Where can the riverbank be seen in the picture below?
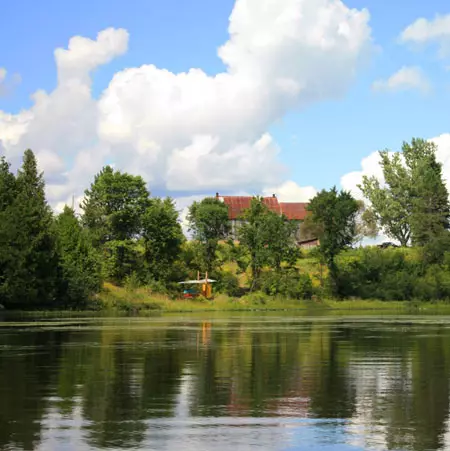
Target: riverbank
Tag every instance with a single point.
(140, 300)
(119, 301)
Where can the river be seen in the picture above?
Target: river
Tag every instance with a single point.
(226, 382)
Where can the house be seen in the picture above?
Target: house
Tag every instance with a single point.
(294, 211)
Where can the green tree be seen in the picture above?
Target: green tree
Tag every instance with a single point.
(7, 185)
(413, 203)
(281, 244)
(162, 236)
(209, 223)
(30, 276)
(114, 205)
(8, 192)
(253, 236)
(80, 275)
(431, 209)
(366, 223)
(334, 213)
(391, 204)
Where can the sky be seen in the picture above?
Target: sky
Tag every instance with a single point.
(200, 96)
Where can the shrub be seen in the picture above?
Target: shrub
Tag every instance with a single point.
(378, 273)
(256, 298)
(288, 283)
(132, 282)
(228, 283)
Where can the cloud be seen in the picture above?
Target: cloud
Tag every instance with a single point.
(290, 191)
(6, 86)
(424, 31)
(370, 166)
(191, 131)
(407, 78)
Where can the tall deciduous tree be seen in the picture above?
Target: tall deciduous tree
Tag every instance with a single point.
(366, 223)
(80, 275)
(114, 205)
(334, 213)
(392, 204)
(209, 223)
(253, 236)
(431, 209)
(281, 244)
(163, 237)
(30, 278)
(113, 210)
(412, 205)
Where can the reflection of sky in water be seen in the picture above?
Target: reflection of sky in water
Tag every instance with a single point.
(183, 386)
(68, 432)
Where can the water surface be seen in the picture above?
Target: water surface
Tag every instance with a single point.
(234, 382)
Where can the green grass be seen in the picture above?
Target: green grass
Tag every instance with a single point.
(117, 299)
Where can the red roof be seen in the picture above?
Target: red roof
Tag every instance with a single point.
(237, 205)
(294, 210)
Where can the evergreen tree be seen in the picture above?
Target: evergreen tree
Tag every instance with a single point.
(8, 192)
(163, 237)
(30, 276)
(80, 276)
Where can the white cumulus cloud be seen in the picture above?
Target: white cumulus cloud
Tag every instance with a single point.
(406, 78)
(424, 31)
(191, 131)
(290, 191)
(6, 86)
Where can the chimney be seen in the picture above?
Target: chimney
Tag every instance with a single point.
(274, 195)
(217, 195)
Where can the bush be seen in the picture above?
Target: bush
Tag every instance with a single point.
(132, 282)
(384, 274)
(433, 285)
(305, 288)
(228, 283)
(288, 283)
(121, 259)
(256, 298)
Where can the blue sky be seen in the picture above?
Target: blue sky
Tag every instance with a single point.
(319, 142)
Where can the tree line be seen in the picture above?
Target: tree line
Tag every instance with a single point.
(127, 237)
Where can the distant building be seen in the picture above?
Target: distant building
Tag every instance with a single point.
(294, 211)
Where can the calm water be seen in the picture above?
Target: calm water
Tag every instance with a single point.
(232, 382)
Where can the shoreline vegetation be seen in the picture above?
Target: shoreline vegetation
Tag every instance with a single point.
(125, 250)
(118, 299)
(121, 301)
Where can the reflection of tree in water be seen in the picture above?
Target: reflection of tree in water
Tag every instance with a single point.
(333, 394)
(409, 395)
(125, 378)
(130, 381)
(419, 416)
(26, 377)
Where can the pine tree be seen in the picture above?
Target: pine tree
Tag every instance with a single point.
(30, 278)
(8, 191)
(78, 263)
